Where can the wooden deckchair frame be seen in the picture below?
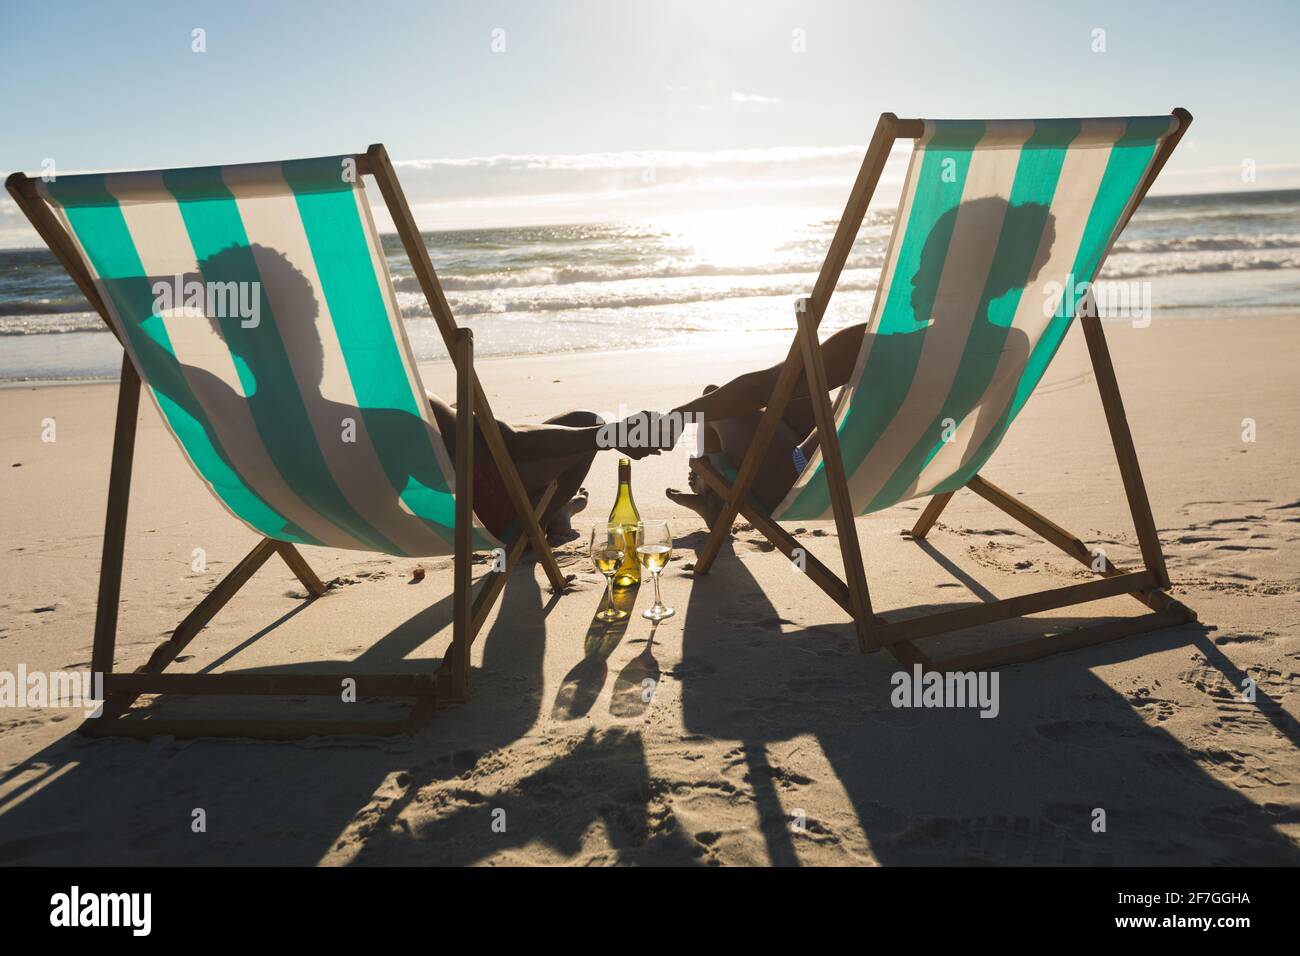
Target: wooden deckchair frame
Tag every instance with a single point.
(874, 631)
(449, 683)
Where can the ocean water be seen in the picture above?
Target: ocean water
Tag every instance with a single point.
(704, 279)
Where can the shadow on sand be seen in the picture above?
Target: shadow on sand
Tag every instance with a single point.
(937, 786)
(114, 800)
(945, 786)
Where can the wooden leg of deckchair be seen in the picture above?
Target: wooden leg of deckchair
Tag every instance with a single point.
(127, 692)
(836, 481)
(1031, 519)
(846, 232)
(494, 581)
(1120, 436)
(119, 496)
(1053, 533)
(301, 569)
(207, 609)
(733, 502)
(1071, 544)
(930, 515)
(462, 610)
(528, 521)
(974, 615)
(188, 629)
(1108, 386)
(124, 689)
(787, 544)
(817, 572)
(378, 164)
(1167, 610)
(150, 679)
(489, 589)
(1039, 647)
(423, 687)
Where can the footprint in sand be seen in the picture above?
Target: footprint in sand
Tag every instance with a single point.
(1057, 837)
(1235, 545)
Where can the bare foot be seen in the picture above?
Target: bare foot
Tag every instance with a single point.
(577, 503)
(561, 528)
(706, 504)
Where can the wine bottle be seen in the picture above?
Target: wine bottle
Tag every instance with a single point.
(624, 513)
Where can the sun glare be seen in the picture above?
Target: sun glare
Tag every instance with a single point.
(750, 238)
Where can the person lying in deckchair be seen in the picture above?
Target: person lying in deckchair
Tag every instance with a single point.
(1002, 228)
(560, 449)
(732, 411)
(256, 311)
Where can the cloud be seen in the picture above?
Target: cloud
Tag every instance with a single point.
(523, 189)
(526, 189)
(1226, 179)
(535, 189)
(639, 159)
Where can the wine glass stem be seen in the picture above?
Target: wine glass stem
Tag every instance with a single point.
(609, 589)
(659, 602)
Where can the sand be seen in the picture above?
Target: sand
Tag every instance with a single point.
(768, 738)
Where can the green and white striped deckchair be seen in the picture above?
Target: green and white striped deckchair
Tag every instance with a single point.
(255, 304)
(999, 224)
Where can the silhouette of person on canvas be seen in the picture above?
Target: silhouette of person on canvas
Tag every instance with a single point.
(942, 300)
(286, 402)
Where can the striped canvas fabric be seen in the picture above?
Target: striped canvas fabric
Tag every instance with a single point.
(997, 225)
(256, 305)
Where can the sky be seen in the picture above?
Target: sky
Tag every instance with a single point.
(549, 111)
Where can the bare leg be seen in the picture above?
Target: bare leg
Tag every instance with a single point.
(560, 449)
(733, 437)
(732, 412)
(570, 497)
(751, 391)
(567, 471)
(554, 438)
(776, 473)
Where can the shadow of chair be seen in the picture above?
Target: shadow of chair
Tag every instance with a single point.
(945, 786)
(284, 803)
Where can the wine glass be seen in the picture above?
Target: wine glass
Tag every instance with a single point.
(654, 548)
(607, 549)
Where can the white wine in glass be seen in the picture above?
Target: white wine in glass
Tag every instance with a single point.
(653, 549)
(607, 548)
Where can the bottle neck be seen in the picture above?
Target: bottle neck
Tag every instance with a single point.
(623, 499)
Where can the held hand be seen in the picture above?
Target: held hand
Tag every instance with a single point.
(636, 453)
(633, 437)
(650, 432)
(641, 435)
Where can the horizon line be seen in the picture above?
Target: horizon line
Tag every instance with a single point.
(627, 220)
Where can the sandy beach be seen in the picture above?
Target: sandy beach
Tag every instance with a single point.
(767, 738)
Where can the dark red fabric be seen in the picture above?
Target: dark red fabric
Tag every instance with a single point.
(491, 501)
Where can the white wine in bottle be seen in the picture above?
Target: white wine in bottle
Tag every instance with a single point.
(625, 514)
